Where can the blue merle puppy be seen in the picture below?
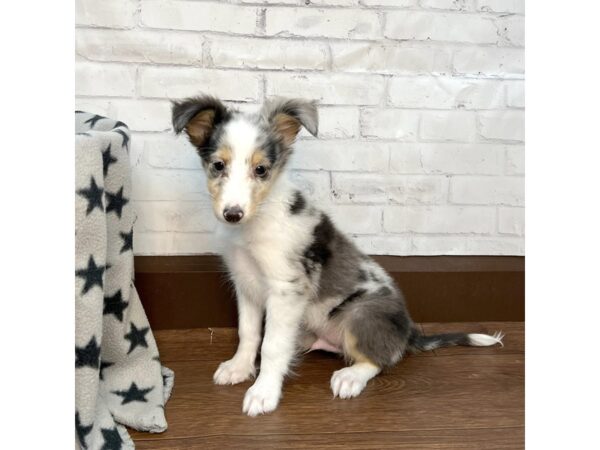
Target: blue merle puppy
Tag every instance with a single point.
(288, 261)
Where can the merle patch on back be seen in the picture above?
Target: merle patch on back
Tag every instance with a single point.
(319, 252)
(298, 203)
(355, 295)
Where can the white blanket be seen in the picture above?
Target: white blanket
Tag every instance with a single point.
(119, 379)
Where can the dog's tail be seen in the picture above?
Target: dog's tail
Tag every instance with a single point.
(420, 342)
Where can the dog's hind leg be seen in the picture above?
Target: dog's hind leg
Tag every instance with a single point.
(350, 381)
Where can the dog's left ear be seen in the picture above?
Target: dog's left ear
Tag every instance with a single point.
(198, 116)
(286, 116)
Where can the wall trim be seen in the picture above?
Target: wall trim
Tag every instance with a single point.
(193, 291)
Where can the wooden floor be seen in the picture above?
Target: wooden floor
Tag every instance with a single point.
(458, 398)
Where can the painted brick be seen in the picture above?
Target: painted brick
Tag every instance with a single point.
(427, 133)
(106, 13)
(168, 184)
(445, 92)
(515, 94)
(337, 123)
(166, 151)
(275, 2)
(448, 125)
(506, 125)
(439, 219)
(341, 155)
(490, 61)
(388, 188)
(434, 26)
(512, 30)
(383, 245)
(315, 185)
(104, 79)
(357, 219)
(268, 54)
(390, 123)
(331, 2)
(395, 3)
(334, 89)
(511, 221)
(471, 245)
(329, 23)
(180, 82)
(369, 57)
(199, 16)
(184, 217)
(139, 46)
(502, 6)
(442, 158)
(173, 243)
(488, 190)
(453, 5)
(515, 160)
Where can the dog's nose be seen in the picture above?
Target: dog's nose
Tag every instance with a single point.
(233, 214)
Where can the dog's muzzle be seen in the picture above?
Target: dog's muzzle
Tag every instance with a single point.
(233, 214)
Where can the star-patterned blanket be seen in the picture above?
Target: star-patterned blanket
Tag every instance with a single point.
(119, 379)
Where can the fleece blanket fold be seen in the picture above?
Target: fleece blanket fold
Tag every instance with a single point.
(119, 379)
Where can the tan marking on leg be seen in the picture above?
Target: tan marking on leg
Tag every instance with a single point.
(351, 350)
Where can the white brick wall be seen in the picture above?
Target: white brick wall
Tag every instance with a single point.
(421, 146)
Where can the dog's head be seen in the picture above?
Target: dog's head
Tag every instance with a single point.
(242, 154)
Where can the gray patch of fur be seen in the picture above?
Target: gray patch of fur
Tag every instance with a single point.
(381, 325)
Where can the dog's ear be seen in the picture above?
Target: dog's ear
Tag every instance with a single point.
(286, 116)
(198, 116)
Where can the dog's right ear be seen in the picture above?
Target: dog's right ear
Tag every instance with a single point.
(198, 116)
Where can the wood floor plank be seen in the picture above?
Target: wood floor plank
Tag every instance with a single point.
(202, 344)
(464, 399)
(465, 439)
(456, 392)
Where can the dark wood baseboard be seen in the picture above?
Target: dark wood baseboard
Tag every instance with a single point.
(194, 292)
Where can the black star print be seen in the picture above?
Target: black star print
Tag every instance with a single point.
(115, 305)
(88, 356)
(82, 430)
(92, 275)
(104, 365)
(133, 394)
(107, 160)
(92, 120)
(127, 241)
(137, 337)
(93, 194)
(112, 439)
(125, 138)
(116, 202)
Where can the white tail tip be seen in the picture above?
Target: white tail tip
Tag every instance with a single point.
(485, 340)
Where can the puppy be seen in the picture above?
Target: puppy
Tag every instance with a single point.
(288, 260)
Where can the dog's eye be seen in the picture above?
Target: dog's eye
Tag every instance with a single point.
(260, 171)
(218, 166)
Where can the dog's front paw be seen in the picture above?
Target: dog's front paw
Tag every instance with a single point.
(234, 372)
(347, 382)
(261, 398)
